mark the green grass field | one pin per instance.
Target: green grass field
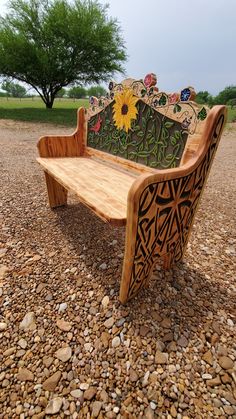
(64, 111)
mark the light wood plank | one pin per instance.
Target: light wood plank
(103, 188)
(127, 164)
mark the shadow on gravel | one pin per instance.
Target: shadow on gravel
(95, 242)
(184, 295)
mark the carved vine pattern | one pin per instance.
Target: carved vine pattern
(165, 216)
(154, 139)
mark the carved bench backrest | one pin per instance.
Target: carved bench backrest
(137, 122)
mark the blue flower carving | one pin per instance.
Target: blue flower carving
(185, 95)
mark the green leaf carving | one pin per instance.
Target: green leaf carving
(148, 113)
(149, 135)
(202, 114)
(177, 108)
(162, 100)
(169, 157)
(164, 134)
(140, 134)
(143, 154)
(168, 124)
(178, 135)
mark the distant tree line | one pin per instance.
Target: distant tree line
(225, 97)
(13, 89)
(77, 92)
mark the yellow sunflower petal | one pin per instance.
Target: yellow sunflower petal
(123, 120)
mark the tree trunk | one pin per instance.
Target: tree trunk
(49, 99)
(49, 104)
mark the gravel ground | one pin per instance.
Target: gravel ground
(67, 347)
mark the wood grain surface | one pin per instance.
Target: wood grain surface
(67, 145)
(103, 188)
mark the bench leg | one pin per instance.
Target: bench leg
(168, 261)
(136, 273)
(57, 194)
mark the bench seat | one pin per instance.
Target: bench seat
(102, 187)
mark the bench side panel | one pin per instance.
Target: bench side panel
(161, 210)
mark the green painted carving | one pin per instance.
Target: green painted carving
(154, 139)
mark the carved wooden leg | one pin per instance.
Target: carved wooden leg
(57, 194)
(140, 255)
(136, 271)
(167, 261)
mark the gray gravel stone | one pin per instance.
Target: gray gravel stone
(54, 406)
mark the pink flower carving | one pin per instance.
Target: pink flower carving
(150, 80)
(173, 98)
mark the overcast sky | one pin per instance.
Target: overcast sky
(185, 42)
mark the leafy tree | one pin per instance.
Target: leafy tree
(232, 103)
(210, 101)
(61, 93)
(6, 86)
(96, 91)
(203, 97)
(52, 43)
(13, 89)
(225, 95)
(77, 92)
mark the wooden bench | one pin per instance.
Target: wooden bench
(140, 158)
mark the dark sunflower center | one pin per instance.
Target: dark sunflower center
(124, 109)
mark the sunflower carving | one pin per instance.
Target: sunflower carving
(124, 109)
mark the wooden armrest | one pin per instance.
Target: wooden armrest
(65, 145)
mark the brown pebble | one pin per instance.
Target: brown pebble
(226, 362)
(133, 376)
(90, 393)
(51, 383)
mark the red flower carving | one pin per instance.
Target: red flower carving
(97, 126)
